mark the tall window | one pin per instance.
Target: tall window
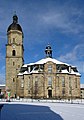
(70, 82)
(13, 53)
(58, 81)
(75, 82)
(36, 86)
(29, 86)
(49, 81)
(49, 68)
(13, 63)
(63, 81)
(63, 92)
(22, 83)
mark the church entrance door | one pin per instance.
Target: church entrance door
(50, 93)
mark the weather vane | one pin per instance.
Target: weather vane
(14, 12)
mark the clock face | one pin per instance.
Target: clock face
(13, 46)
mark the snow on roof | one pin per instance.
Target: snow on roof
(25, 65)
(76, 73)
(42, 61)
(64, 71)
(26, 72)
(73, 66)
(45, 60)
(31, 64)
(81, 85)
(2, 85)
(20, 74)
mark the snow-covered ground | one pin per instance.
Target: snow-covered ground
(77, 101)
(42, 111)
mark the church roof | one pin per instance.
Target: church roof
(45, 60)
(14, 27)
(42, 61)
(81, 85)
(2, 85)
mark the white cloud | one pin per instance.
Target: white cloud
(75, 57)
(67, 20)
(68, 57)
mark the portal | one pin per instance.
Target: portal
(50, 93)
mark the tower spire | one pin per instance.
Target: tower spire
(15, 18)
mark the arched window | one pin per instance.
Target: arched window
(13, 53)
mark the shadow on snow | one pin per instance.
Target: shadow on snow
(28, 112)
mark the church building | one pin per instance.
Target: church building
(46, 78)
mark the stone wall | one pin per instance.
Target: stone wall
(36, 84)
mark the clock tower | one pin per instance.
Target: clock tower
(14, 55)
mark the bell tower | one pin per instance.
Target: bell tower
(14, 55)
(48, 51)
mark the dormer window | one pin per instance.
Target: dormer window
(69, 69)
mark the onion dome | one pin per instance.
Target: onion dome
(15, 25)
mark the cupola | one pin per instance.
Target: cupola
(48, 51)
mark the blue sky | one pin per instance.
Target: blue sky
(58, 22)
